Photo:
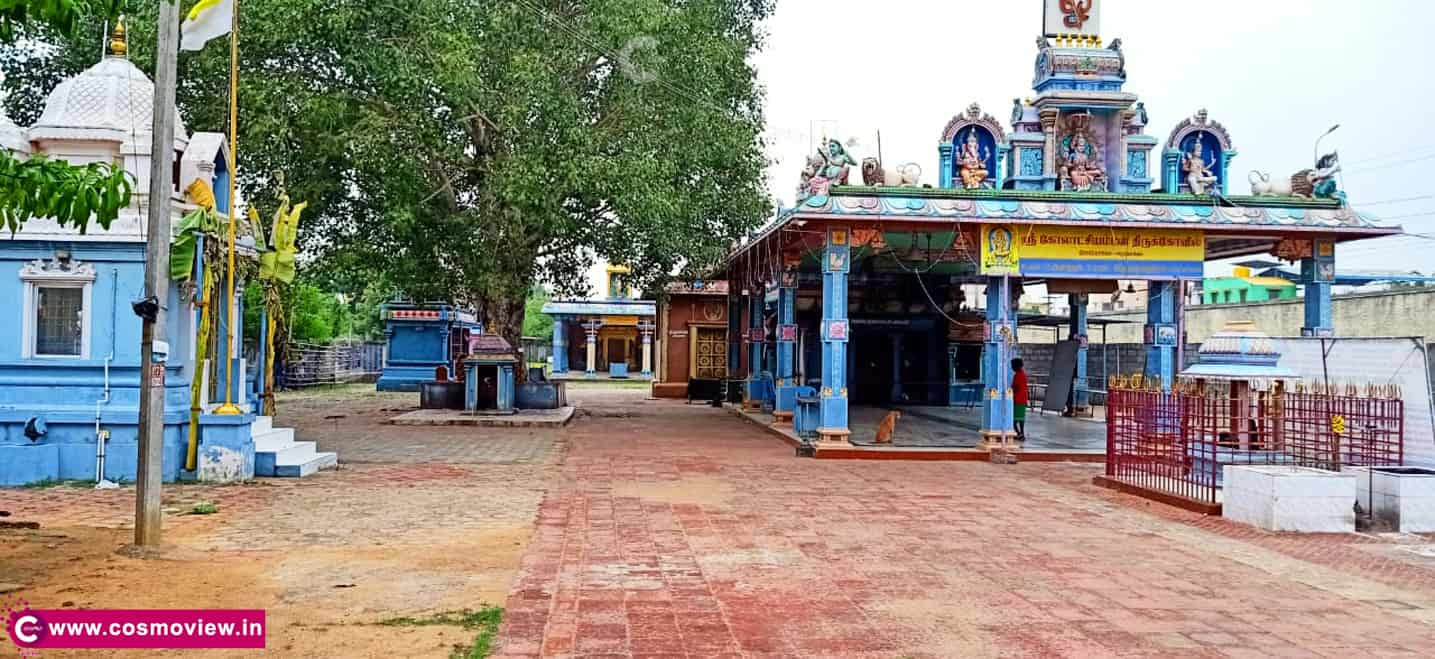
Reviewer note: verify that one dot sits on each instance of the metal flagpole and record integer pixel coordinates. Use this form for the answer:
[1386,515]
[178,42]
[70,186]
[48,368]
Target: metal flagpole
[229,407]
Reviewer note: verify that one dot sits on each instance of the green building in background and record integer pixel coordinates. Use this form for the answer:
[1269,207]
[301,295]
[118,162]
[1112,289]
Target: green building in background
[1242,287]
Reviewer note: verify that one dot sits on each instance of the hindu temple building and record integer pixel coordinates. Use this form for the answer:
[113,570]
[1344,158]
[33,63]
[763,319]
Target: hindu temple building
[879,291]
[70,353]
[612,335]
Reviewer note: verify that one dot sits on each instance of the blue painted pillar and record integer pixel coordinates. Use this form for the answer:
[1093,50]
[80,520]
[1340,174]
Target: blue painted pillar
[1005,170]
[836,264]
[1171,171]
[1081,393]
[560,345]
[734,336]
[945,175]
[260,356]
[1000,336]
[1317,273]
[1162,338]
[754,349]
[786,347]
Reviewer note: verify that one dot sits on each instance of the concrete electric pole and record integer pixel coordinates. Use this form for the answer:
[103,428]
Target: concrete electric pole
[154,351]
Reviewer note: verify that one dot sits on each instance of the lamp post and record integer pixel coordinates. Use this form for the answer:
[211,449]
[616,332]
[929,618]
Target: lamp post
[1316,150]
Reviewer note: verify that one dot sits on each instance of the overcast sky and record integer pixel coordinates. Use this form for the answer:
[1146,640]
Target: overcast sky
[1276,73]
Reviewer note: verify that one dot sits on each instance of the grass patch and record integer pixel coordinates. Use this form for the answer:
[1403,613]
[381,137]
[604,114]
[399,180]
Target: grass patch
[47,483]
[600,383]
[483,621]
[204,508]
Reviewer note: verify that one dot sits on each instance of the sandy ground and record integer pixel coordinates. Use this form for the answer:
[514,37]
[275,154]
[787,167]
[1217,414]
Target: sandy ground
[329,557]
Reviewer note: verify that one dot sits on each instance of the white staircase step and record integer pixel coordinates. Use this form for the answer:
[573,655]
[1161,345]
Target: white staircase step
[315,463]
[278,455]
[298,453]
[274,440]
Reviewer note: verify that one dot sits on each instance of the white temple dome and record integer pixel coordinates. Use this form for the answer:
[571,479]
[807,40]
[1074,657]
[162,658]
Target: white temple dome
[12,137]
[111,101]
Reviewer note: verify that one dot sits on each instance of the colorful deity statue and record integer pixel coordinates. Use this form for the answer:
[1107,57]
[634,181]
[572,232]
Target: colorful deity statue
[836,163]
[830,166]
[1082,172]
[1319,182]
[1199,176]
[973,162]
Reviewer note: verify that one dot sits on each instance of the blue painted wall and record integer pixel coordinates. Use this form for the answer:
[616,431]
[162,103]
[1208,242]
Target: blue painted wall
[417,347]
[64,392]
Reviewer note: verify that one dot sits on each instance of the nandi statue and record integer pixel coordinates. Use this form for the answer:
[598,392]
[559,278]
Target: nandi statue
[1263,186]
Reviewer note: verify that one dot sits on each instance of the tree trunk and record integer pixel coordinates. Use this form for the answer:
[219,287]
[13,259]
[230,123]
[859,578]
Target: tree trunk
[504,316]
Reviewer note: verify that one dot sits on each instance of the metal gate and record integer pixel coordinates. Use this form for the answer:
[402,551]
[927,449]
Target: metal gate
[1178,443]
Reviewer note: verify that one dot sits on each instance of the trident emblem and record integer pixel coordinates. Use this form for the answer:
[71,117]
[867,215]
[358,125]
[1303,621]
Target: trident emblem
[1077,11]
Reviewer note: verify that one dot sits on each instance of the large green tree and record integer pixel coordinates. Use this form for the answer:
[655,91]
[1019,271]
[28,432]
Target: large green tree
[468,149]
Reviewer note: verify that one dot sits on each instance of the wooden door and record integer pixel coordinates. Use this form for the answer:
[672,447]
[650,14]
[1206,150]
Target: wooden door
[709,346]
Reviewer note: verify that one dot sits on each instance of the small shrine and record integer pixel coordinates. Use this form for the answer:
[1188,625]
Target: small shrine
[1239,368]
[488,375]
[1238,407]
[419,338]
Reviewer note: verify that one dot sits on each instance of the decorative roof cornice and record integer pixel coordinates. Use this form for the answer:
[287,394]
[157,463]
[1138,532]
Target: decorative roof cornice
[973,117]
[1199,123]
[1177,211]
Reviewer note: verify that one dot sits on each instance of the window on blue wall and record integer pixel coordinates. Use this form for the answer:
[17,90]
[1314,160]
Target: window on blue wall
[59,321]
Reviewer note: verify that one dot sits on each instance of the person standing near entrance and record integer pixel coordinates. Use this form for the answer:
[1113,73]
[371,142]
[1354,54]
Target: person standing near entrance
[1019,399]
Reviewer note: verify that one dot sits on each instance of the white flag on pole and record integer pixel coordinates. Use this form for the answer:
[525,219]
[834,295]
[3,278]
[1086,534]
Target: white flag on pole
[208,19]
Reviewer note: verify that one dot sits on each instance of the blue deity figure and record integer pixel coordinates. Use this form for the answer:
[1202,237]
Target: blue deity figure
[1321,180]
[836,163]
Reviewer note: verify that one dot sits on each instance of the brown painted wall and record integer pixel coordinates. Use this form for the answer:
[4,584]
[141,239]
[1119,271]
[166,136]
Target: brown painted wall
[678,315]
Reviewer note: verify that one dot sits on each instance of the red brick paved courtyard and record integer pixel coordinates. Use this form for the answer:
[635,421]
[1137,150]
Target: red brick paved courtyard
[652,528]
[683,531]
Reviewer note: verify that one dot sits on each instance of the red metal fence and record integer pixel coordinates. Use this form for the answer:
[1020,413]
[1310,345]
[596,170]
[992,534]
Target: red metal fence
[1178,443]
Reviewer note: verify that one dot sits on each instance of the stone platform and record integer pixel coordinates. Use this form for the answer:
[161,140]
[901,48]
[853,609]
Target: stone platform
[947,434]
[522,419]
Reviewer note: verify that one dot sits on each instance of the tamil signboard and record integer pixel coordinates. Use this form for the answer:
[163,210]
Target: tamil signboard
[1097,252]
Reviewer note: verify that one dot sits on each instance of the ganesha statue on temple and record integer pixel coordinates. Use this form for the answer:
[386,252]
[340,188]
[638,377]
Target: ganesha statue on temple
[972,162]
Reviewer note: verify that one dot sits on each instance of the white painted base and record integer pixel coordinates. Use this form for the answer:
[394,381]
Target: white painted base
[1404,500]
[1282,498]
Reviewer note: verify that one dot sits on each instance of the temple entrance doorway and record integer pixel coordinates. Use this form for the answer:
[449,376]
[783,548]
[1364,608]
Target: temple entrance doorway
[872,373]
